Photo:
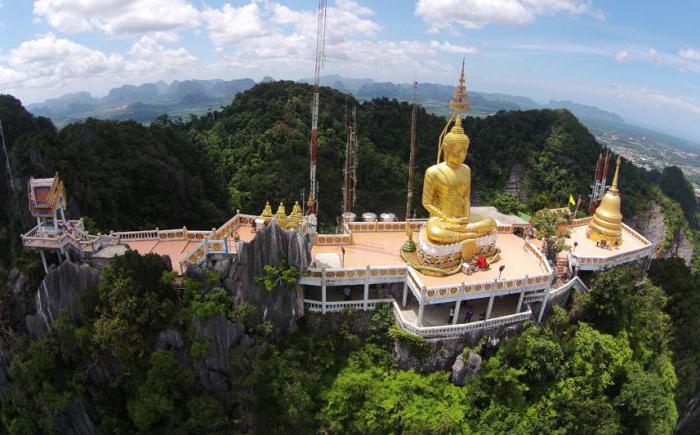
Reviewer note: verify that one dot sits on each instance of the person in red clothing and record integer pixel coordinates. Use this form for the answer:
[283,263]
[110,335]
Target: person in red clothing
[481,262]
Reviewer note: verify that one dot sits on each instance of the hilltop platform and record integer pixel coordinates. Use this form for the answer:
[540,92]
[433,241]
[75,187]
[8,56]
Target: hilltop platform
[586,255]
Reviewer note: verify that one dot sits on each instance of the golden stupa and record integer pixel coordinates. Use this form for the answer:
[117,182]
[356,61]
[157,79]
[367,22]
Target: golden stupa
[266,214]
[281,214]
[607,220]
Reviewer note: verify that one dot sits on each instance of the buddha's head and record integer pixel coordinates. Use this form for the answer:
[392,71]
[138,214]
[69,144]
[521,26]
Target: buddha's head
[455,145]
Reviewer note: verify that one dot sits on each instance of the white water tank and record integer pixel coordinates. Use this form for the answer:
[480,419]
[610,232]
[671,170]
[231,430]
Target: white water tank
[369,217]
[349,216]
[388,217]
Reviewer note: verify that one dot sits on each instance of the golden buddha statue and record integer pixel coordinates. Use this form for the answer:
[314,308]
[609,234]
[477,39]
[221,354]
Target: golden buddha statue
[446,196]
[607,220]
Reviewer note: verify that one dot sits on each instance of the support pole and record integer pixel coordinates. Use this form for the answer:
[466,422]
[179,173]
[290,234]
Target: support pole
[520,301]
[323,291]
[366,293]
[544,304]
[405,293]
[421,306]
[489,308]
[456,315]
[43,261]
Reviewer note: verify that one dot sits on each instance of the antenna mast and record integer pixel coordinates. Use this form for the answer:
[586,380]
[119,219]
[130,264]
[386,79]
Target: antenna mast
[7,158]
[350,171]
[412,154]
[320,48]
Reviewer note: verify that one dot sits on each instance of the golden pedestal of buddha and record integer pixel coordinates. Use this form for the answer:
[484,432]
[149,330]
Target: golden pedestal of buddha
[606,226]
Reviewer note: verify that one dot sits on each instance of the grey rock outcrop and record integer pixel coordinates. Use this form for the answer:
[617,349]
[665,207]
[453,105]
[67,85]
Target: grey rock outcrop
[21,300]
[652,226]
[172,341]
[689,421]
[280,306]
[464,371]
[213,369]
[62,288]
[75,420]
[4,379]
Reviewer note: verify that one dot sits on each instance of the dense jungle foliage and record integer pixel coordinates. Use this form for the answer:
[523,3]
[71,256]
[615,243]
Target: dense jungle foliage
[604,367]
[621,360]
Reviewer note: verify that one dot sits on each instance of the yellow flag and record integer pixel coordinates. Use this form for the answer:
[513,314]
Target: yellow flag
[571,200]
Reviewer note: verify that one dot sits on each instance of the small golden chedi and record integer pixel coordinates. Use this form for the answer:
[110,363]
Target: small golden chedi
[606,226]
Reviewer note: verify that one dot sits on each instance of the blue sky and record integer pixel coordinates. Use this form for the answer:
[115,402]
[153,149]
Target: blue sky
[640,59]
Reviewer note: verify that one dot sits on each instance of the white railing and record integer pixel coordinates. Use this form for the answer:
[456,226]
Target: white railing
[356,275]
[137,235]
[602,262]
[573,282]
[335,306]
[460,328]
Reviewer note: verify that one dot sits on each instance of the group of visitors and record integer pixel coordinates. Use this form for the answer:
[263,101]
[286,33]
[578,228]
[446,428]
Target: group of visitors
[468,316]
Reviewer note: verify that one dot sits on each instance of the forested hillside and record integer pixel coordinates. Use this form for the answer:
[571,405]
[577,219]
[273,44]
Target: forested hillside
[621,360]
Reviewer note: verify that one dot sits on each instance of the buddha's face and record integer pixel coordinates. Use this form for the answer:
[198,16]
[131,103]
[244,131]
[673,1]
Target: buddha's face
[455,154]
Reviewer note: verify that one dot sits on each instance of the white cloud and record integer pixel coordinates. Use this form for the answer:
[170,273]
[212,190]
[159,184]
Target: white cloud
[231,24]
[690,54]
[448,47]
[474,14]
[284,39]
[117,16]
[622,56]
[9,76]
[50,62]
[150,54]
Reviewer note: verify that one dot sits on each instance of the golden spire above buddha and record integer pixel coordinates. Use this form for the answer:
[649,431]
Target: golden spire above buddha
[447,188]
[607,220]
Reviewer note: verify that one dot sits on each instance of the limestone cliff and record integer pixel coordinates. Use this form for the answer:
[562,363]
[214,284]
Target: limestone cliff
[280,306]
[652,225]
[62,288]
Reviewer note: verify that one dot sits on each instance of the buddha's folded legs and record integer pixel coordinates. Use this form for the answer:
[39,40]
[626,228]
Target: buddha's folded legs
[440,232]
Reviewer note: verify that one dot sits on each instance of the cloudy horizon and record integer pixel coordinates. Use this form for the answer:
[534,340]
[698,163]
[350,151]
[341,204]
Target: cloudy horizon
[640,59]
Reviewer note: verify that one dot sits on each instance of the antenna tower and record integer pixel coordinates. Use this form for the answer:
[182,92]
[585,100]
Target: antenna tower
[412,153]
[320,48]
[7,158]
[350,171]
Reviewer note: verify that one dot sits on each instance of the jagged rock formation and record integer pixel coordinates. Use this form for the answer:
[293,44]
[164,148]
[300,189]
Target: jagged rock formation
[74,420]
[21,301]
[4,364]
[689,420]
[62,288]
[463,372]
[515,184]
[652,226]
[212,370]
[280,306]
[439,354]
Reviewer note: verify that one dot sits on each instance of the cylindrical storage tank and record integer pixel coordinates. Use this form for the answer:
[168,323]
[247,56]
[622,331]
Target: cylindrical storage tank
[387,217]
[369,217]
[349,216]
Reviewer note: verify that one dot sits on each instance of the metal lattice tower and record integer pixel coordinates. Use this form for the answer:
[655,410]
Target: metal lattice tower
[7,158]
[350,170]
[320,49]
[412,154]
